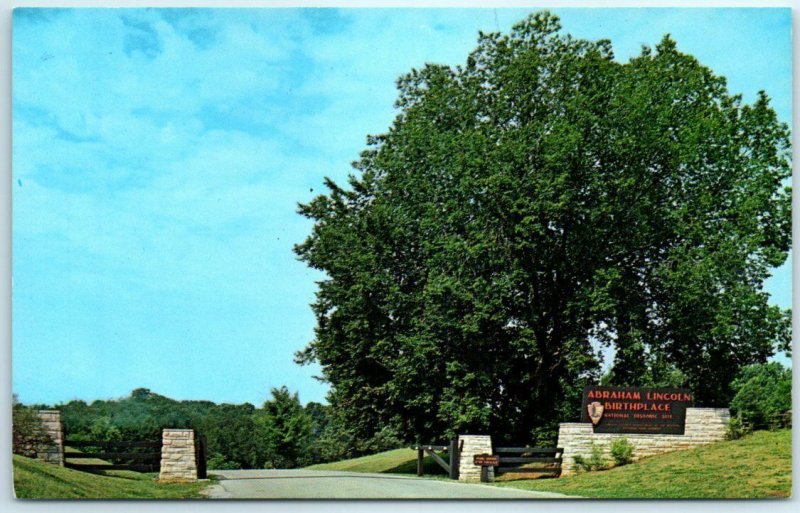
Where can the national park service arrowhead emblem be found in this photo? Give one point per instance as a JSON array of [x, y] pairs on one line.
[[595, 412]]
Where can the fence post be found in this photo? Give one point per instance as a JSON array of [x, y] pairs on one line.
[[201, 457], [454, 459], [420, 457]]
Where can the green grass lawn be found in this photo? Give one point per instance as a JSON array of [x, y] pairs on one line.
[[397, 461], [757, 466], [36, 480]]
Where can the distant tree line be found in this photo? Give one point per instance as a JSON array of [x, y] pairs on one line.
[[282, 433]]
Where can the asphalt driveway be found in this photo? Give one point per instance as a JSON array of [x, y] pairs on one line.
[[324, 484]]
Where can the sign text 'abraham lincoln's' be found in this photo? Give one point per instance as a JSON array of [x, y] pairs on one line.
[[636, 410]]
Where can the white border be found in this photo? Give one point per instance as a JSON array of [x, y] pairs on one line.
[[8, 504]]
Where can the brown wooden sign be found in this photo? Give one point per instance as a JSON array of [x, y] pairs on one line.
[[636, 410], [486, 460]]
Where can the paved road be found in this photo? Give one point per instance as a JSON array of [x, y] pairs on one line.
[[324, 484]]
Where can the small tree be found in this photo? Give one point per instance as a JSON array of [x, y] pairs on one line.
[[286, 429], [27, 430]]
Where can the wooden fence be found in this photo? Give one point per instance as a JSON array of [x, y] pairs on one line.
[[141, 456], [529, 460], [450, 466]]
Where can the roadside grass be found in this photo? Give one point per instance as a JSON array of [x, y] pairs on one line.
[[36, 480], [757, 466], [397, 461]]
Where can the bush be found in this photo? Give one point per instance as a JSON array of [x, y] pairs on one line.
[[545, 436], [218, 462], [622, 451], [736, 428], [763, 395], [594, 462]]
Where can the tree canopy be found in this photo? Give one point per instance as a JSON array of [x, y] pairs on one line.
[[533, 206]]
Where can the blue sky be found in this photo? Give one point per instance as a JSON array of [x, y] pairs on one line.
[[158, 157]]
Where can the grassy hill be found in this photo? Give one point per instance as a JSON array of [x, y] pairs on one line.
[[757, 466], [397, 461], [36, 480]]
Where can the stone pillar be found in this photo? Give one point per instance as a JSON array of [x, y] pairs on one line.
[[54, 453], [576, 439], [178, 461], [472, 445]]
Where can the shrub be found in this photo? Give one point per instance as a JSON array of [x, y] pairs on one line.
[[736, 428], [596, 461], [580, 462], [218, 462], [622, 451], [763, 395]]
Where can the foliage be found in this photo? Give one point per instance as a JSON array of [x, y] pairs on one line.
[[231, 434], [282, 433], [763, 394], [286, 429], [218, 462], [535, 201], [622, 451], [736, 428], [758, 466], [595, 461], [544, 436], [28, 433], [36, 480], [338, 441]]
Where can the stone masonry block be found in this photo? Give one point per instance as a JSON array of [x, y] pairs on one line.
[[178, 461], [470, 446], [51, 422], [703, 426]]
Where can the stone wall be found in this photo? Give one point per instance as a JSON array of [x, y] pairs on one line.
[[472, 445], [703, 426], [51, 421], [178, 461]]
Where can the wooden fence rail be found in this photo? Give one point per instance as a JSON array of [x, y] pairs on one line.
[[548, 459], [120, 443], [122, 459]]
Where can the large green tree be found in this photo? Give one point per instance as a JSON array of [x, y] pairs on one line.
[[532, 206]]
